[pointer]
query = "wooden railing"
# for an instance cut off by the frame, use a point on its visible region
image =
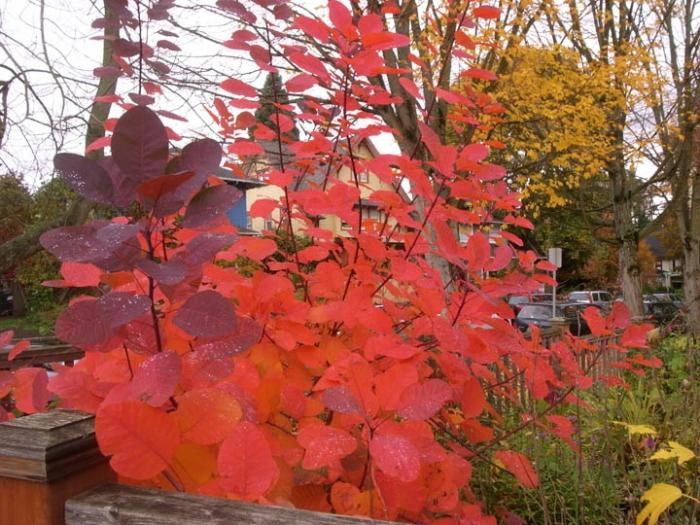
(52, 473)
(43, 351)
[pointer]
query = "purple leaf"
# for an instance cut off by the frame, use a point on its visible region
(205, 246)
(85, 176)
(140, 144)
(421, 401)
(107, 71)
(90, 321)
(122, 307)
(202, 156)
(154, 381)
(247, 333)
(170, 272)
(207, 314)
(143, 100)
(126, 48)
(340, 399)
(210, 204)
(75, 243)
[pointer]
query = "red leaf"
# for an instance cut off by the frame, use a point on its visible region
(636, 336)
(238, 87)
(324, 445)
(141, 440)
(206, 314)
(340, 399)
(301, 82)
(154, 381)
(410, 87)
(101, 143)
(6, 337)
(478, 251)
(340, 16)
(396, 456)
(246, 148)
(18, 349)
(81, 275)
(263, 207)
(519, 466)
(30, 390)
(245, 462)
(384, 40)
(473, 398)
(485, 11)
(421, 401)
(312, 27)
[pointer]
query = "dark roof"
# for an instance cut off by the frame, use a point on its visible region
(656, 246)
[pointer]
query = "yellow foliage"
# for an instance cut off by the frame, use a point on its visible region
(659, 497)
(674, 450)
(557, 126)
(642, 430)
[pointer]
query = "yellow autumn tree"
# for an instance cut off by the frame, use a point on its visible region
(556, 129)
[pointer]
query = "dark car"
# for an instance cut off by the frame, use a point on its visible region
(516, 302)
(540, 314)
(5, 303)
(664, 297)
(662, 312)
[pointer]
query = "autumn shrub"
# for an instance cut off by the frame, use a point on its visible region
(375, 372)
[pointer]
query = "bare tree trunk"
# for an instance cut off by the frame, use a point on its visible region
(627, 235)
(686, 193)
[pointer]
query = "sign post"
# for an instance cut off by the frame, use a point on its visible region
(555, 259)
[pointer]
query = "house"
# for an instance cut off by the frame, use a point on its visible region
(274, 158)
(669, 267)
(238, 215)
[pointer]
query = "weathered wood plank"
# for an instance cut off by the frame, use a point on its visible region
(44, 460)
(47, 446)
(40, 354)
(124, 505)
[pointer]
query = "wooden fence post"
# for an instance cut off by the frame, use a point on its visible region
(45, 459)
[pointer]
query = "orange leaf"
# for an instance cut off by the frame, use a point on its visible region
(347, 499)
(206, 416)
(141, 439)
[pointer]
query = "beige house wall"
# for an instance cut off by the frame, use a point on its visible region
(330, 222)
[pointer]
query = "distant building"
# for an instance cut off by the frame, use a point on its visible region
(669, 269)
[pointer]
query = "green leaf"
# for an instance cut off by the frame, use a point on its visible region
(659, 497)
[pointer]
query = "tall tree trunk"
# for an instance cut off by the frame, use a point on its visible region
(686, 193)
(627, 235)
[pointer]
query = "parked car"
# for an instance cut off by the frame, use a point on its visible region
(664, 297)
(599, 298)
(516, 302)
(540, 314)
(5, 303)
(662, 313)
